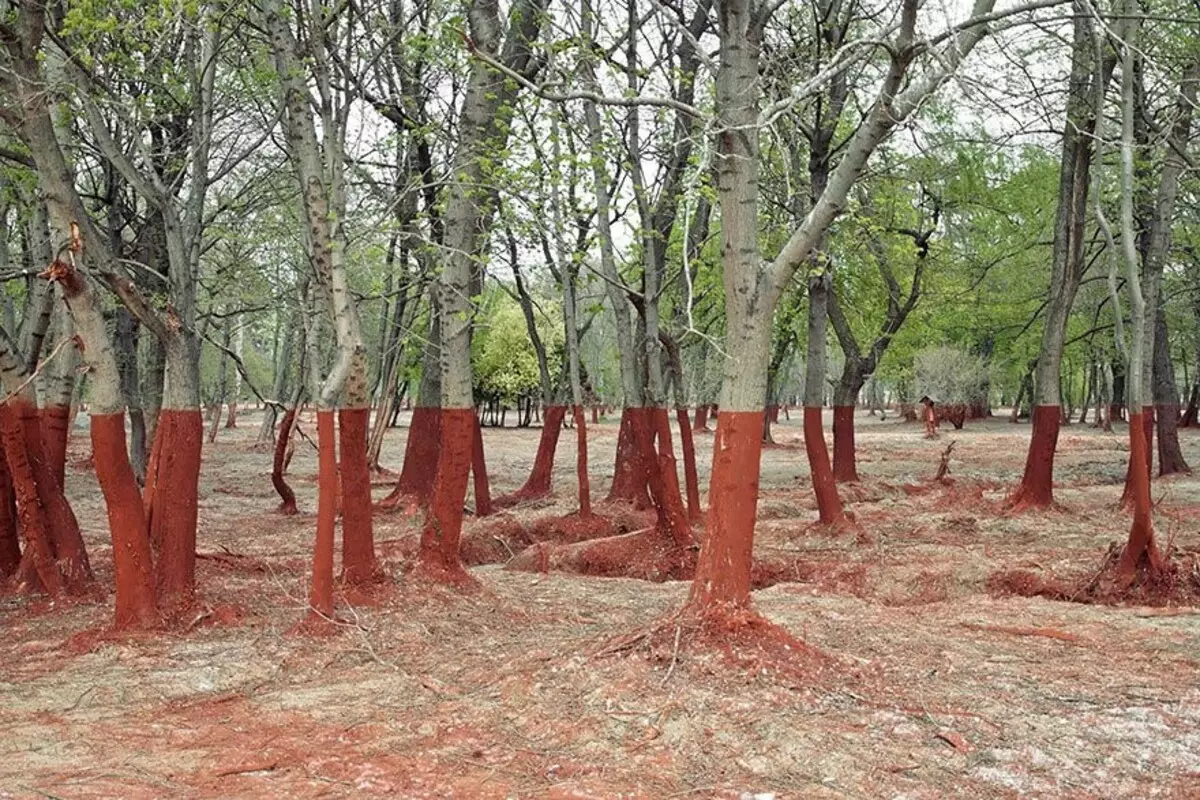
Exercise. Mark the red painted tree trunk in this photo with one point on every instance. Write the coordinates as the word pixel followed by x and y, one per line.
pixel 1036 489
pixel 10 544
pixel 701 419
pixel 1140 550
pixel 540 476
pixel 723 568
pixel 172 517
pixel 61 525
pixel 438 556
pixel 595 415
pixel 231 420
pixel 483 491
pixel 663 476
pixel 55 421
pixel 829 505
pixel 320 597
pixel 358 538
pixel 39 551
pixel 1170 454
pixel 690 478
pixel 581 462
pixel 629 469
pixel 845 468
pixel 132 567
pixel 287 505
pixel 421 454
pixel 1146 420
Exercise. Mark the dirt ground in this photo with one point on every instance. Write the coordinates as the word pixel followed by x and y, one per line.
pixel 934 688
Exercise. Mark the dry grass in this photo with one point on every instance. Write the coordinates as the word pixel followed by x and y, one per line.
pixel 935 688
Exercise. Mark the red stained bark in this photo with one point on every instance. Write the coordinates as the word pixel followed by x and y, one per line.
pixel 1036 489
pixel 358 539
pixel 539 482
pixel 595 415
pixel 231 420
pixel 1170 454
pixel 1147 422
pixel 32 521
pixel 287 505
pixel 629 470
pixel 421 454
pixel 438 557
pixel 10 545
pixel 773 413
pixel 151 485
pixel 62 526
pixel 484 506
pixel 723 570
pixel 690 479
pixel 829 505
pixel 581 462
pixel 320 598
pixel 132 567
pixel 701 425
pixel 663 476
pixel 172 516
pixel 55 421
pixel 845 468
pixel 1140 550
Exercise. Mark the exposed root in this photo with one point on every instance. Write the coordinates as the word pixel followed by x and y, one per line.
pixel 1176 582
pixel 493 541
pixel 649 555
pixel 433 571
pixel 575 527
pixel 738 637
pixel 840 527
pixel 827 577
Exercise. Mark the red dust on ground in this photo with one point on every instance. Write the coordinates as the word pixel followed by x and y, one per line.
pixel 917 680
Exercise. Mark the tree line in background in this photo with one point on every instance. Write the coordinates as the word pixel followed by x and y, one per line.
pixel 541 208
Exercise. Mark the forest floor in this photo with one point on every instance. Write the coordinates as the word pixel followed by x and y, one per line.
pixel 933 688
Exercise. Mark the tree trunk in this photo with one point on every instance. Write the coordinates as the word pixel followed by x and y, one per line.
pixel 421 451
pixel 283 368
pixel 131 548
pixel 222 377
pixel 1166 401
pixel 1067 261
pixel 829 505
pixel 722 581
pixel 238 341
pixel 538 484
pixel 482 130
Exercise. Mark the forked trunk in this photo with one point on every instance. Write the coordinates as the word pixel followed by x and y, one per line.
pixel 287 504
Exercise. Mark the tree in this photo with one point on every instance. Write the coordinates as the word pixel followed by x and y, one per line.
pixel 753 288
pixel 319 168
